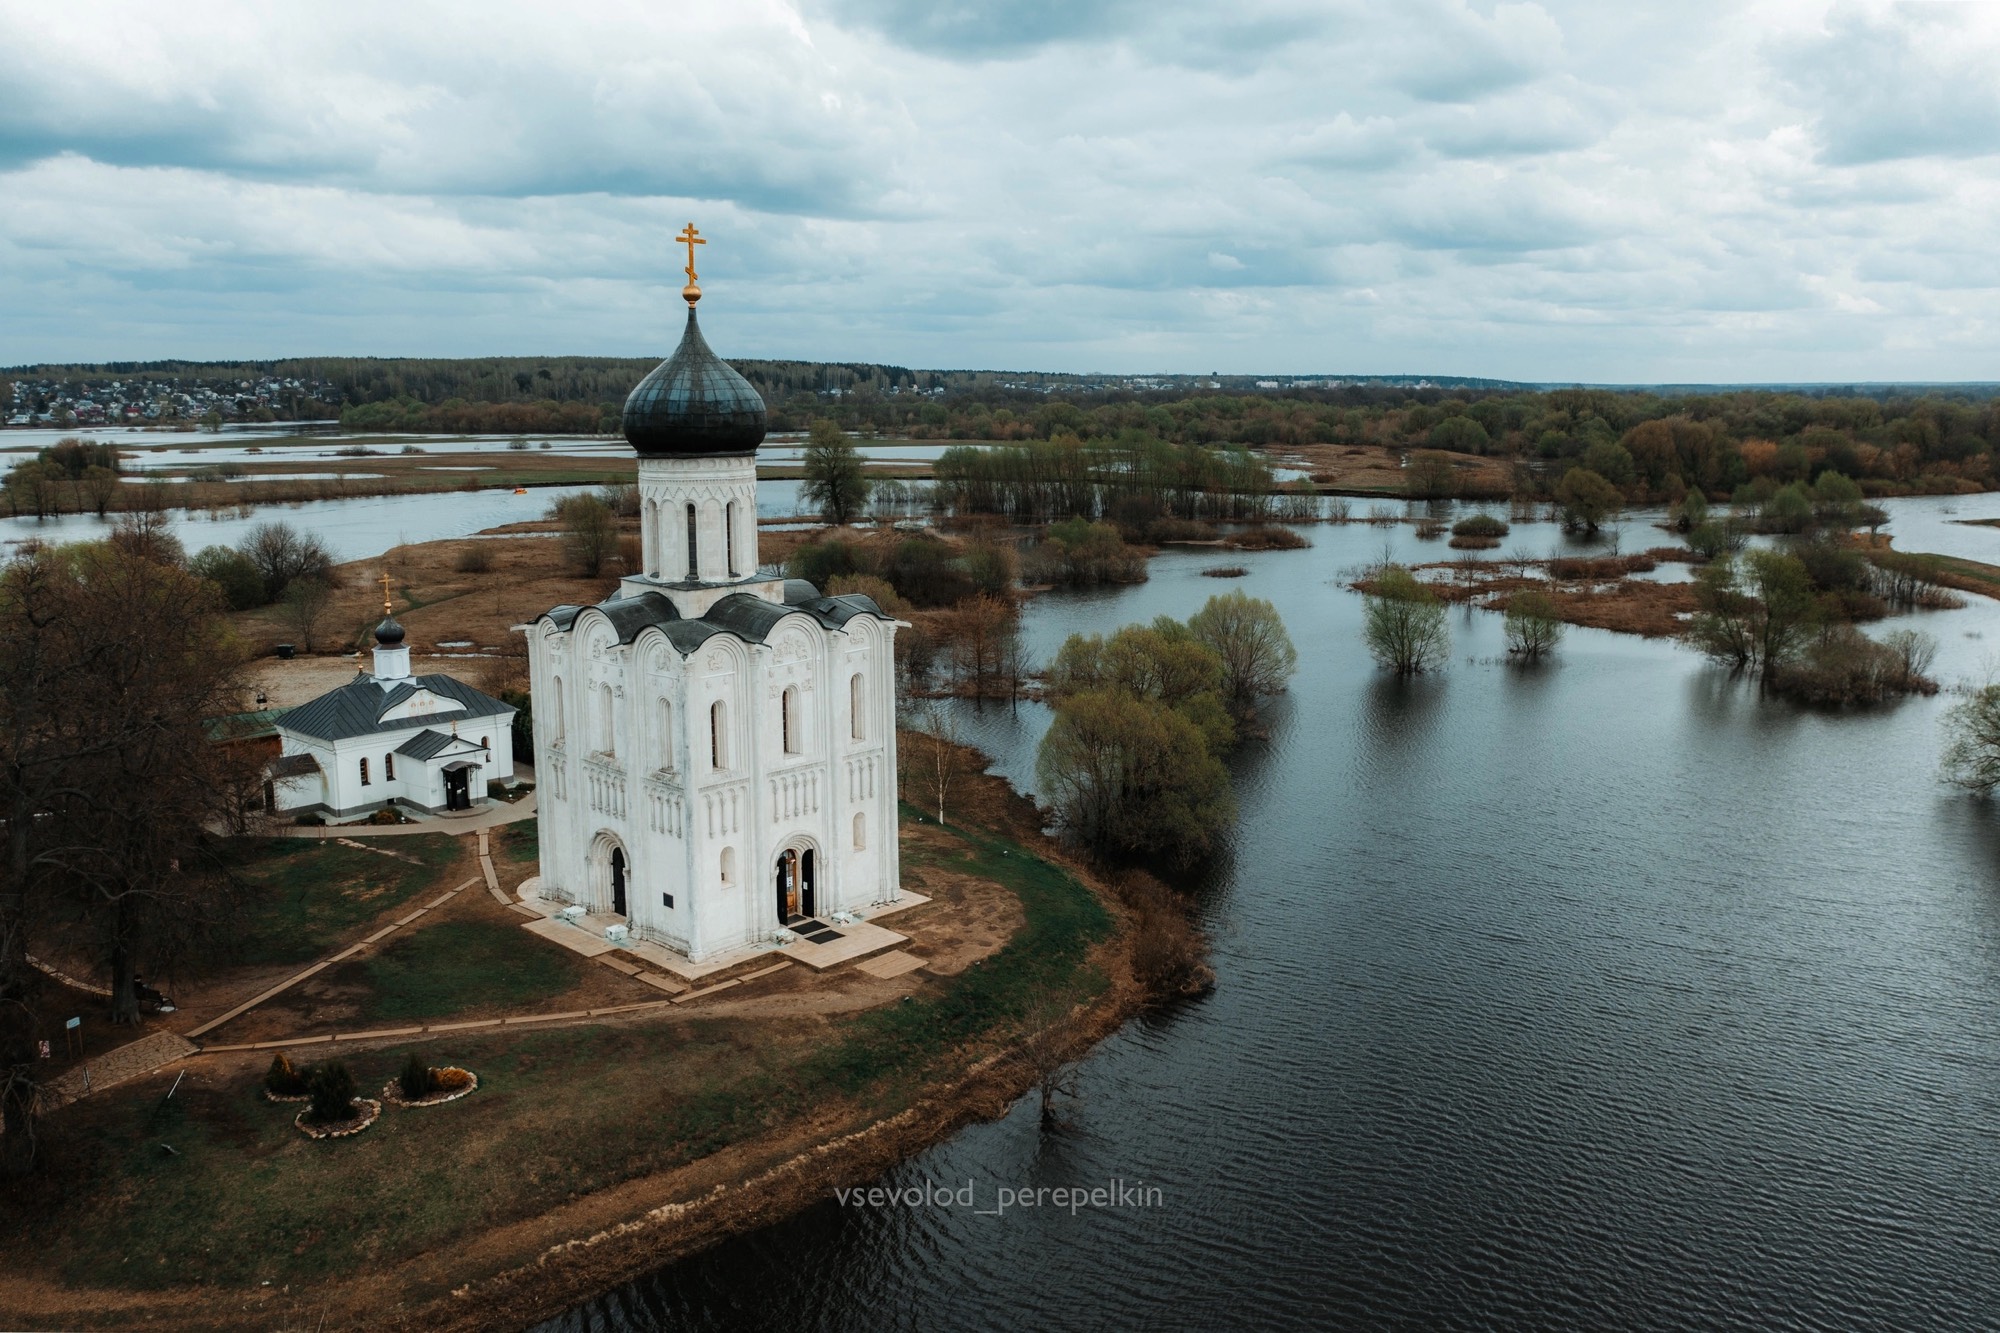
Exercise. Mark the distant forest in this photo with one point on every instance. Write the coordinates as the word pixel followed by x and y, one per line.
pixel 1648 442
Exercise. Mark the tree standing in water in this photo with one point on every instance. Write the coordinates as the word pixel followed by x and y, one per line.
pixel 1404 623
pixel 836 477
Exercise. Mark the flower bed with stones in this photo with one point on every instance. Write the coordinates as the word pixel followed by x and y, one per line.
pixel 370 1112
pixel 270 1096
pixel 452 1083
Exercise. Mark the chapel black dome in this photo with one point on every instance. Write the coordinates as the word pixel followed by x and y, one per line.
pixel 694 404
pixel 388 633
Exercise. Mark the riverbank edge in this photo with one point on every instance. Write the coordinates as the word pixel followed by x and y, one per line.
pixel 497 1280
pixel 571 1272
pixel 550 1279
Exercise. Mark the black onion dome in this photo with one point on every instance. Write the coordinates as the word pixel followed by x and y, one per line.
pixel 388 633
pixel 694 404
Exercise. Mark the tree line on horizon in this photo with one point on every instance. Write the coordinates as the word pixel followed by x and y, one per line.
pixel 1718 441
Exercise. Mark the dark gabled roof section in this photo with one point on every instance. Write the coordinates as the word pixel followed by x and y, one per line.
pixel 243 726
pixel 426 744
pixel 629 615
pixel 293 766
pixel 747 617
pixel 357 708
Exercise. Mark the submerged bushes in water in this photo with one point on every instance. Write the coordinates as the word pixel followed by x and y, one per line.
pixel 1844 666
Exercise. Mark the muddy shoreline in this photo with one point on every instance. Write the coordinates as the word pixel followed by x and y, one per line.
pixel 566 1274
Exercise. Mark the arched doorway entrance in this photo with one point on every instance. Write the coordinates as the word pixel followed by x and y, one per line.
pixel 796 897
pixel 610 869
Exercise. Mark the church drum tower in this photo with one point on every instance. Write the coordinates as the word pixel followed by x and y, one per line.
pixel 715 745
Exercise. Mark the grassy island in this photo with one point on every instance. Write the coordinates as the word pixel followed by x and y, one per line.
pixel 599 1147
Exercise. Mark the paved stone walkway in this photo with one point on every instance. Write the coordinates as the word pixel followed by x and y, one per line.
pixel 66 979
pixel 518 1020
pixel 116 1066
pixel 325 963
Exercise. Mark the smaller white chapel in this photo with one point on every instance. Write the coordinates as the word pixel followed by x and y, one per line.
pixel 715 745
pixel 429 743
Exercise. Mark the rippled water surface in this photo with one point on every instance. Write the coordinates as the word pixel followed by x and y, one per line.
pixel 1605 995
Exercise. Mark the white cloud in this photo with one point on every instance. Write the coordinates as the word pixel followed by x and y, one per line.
pixel 1548 191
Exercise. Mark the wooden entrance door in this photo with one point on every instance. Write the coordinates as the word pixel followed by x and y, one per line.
pixel 618 880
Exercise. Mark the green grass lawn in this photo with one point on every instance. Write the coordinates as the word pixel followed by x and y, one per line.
pixel 454 966
pixel 517 845
pixel 305 894
pixel 246 1198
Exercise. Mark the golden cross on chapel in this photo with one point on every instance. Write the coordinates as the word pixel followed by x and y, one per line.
pixel 691 238
pixel 387 609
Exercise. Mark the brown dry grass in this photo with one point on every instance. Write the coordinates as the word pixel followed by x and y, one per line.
pixel 1376 469
pixel 438 602
pixel 1590 592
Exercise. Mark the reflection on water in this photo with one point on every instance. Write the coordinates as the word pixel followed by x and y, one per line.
pixel 1603 995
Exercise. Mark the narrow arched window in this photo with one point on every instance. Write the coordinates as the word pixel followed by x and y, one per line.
pixel 558 723
pixel 856 711
pixel 650 538
pixel 729 535
pixel 364 772
pixel 694 552
pixel 667 734
pixel 728 866
pixel 388 768
pixel 605 724
pixel 718 748
pixel 860 832
pixel 788 706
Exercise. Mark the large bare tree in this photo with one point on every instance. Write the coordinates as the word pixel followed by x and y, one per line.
pixel 111 661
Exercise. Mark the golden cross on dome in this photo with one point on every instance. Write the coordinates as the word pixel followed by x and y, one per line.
pixel 691 238
pixel 387 610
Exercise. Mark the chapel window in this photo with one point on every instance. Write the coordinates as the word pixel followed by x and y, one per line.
pixel 364 772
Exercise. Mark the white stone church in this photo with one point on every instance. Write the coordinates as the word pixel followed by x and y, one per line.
pixel 715 745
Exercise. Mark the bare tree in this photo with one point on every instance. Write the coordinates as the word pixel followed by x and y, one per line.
pixel 1972 742
pixel 109 663
pixel 975 632
pixel 590 532
pixel 283 554
pixel 305 605
pixel 938 759
pixel 1050 1052
pixel 1015 665
pixel 100 488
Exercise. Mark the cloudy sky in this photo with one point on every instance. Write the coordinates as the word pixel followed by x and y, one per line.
pixel 1686 191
